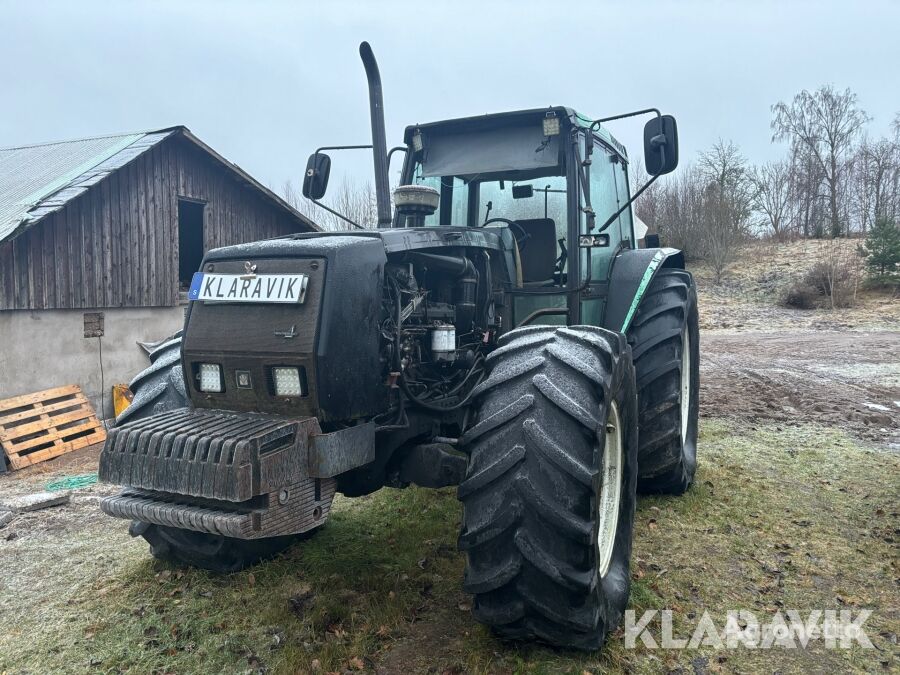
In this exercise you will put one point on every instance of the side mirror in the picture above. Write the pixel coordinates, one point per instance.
(661, 145)
(315, 182)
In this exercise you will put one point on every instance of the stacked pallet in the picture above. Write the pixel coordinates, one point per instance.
(40, 426)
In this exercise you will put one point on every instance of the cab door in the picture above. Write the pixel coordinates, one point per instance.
(609, 191)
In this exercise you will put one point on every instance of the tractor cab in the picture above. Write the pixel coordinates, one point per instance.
(557, 181)
(550, 182)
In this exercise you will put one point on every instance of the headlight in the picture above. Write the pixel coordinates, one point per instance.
(210, 375)
(287, 381)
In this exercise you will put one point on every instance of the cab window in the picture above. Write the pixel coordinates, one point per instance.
(605, 202)
(626, 227)
(453, 190)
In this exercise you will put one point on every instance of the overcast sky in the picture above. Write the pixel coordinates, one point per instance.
(264, 83)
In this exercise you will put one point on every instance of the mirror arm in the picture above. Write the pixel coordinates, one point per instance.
(596, 123)
(399, 148)
(328, 208)
(626, 205)
(342, 147)
(339, 215)
(339, 147)
(659, 140)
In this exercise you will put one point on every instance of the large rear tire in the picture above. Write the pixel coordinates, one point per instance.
(549, 494)
(160, 388)
(665, 344)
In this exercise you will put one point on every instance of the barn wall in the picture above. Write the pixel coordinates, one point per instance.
(117, 244)
(47, 349)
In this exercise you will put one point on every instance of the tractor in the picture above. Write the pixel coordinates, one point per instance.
(501, 330)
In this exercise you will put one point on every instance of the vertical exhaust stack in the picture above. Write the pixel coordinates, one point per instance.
(379, 142)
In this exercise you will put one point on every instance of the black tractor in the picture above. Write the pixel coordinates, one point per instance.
(501, 330)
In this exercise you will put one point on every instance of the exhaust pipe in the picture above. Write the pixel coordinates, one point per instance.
(379, 142)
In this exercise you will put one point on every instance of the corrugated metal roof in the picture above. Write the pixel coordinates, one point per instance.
(36, 180)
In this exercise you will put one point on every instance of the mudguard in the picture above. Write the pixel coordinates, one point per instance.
(632, 272)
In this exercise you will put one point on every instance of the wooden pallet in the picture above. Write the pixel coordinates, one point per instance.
(40, 426)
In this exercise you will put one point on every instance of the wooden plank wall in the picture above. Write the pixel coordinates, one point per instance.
(117, 244)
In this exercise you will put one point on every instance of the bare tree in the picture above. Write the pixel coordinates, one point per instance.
(727, 204)
(826, 123)
(772, 196)
(648, 206)
(673, 207)
(876, 181)
(808, 192)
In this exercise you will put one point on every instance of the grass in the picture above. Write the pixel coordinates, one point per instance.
(780, 518)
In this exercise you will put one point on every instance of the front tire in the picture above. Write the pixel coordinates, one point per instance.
(665, 342)
(160, 386)
(549, 494)
(212, 552)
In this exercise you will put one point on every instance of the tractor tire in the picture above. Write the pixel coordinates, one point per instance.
(665, 346)
(160, 386)
(212, 552)
(549, 493)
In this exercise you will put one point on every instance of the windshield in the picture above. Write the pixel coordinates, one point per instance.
(537, 198)
(534, 210)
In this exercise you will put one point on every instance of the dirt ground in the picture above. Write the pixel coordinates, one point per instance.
(787, 375)
(847, 380)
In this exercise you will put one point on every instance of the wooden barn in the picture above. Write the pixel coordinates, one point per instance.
(99, 238)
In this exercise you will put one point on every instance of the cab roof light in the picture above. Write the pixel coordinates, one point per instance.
(551, 124)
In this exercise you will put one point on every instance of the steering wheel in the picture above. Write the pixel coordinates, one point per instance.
(514, 226)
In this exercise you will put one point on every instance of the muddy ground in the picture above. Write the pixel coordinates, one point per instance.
(849, 380)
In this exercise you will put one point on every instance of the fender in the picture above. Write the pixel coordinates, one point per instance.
(632, 272)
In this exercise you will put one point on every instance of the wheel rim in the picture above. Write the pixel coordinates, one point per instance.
(610, 491)
(685, 383)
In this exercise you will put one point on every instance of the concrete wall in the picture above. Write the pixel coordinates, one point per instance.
(47, 348)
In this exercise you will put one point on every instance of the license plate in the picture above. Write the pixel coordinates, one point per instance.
(285, 288)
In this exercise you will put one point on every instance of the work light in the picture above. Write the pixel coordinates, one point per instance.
(287, 381)
(551, 125)
(210, 375)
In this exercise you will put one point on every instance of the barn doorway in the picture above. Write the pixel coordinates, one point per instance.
(190, 240)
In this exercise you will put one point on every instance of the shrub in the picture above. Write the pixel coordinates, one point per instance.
(830, 283)
(834, 280)
(801, 295)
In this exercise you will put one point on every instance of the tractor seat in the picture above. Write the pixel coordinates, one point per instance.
(539, 254)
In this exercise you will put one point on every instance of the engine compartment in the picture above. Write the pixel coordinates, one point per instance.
(440, 320)
(391, 321)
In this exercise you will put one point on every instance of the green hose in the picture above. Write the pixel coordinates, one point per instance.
(72, 482)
